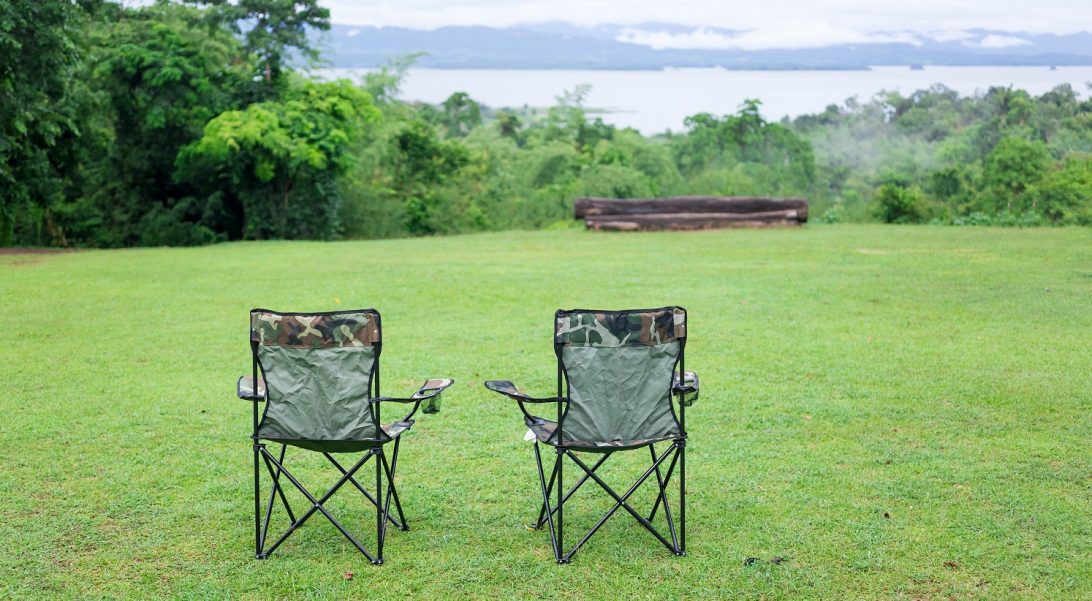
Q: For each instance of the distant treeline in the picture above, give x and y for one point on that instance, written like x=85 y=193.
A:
x=182 y=123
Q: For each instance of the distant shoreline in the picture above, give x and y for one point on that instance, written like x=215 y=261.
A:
x=653 y=101
x=505 y=67
x=612 y=47
x=757 y=67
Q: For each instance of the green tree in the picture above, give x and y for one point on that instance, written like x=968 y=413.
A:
x=275 y=165
x=566 y=118
x=1013 y=166
x=39 y=119
x=385 y=83
x=423 y=165
x=782 y=160
x=1064 y=195
x=272 y=30
x=164 y=74
x=510 y=126
x=898 y=201
x=461 y=114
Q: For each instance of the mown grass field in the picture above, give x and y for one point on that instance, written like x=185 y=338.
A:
x=899 y=412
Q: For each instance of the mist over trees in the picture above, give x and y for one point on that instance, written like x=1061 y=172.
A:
x=186 y=123
x=1003 y=157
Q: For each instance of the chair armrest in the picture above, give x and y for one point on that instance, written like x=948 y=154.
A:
x=509 y=390
x=687 y=389
x=429 y=393
x=245 y=389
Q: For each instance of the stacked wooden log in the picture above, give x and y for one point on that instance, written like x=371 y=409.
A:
x=690 y=212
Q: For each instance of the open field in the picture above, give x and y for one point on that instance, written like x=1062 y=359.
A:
x=900 y=412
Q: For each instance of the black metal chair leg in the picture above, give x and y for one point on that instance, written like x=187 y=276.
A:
x=273 y=497
x=620 y=502
x=667 y=480
x=391 y=470
x=682 y=496
x=316 y=504
x=546 y=501
x=663 y=497
x=391 y=492
x=549 y=489
x=360 y=487
x=575 y=487
x=380 y=515
x=257 y=505
x=561 y=452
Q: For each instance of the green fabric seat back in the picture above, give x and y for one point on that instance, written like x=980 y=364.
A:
x=618 y=367
x=318 y=370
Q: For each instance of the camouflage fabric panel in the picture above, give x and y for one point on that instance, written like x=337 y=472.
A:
x=324 y=330
x=396 y=428
x=620 y=328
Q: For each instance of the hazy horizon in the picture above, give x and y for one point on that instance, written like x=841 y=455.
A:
x=784 y=24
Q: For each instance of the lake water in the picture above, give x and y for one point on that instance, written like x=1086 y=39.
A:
x=654 y=101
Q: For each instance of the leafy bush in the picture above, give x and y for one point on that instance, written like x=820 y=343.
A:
x=898 y=201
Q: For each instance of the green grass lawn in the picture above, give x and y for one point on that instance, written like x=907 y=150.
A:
x=900 y=412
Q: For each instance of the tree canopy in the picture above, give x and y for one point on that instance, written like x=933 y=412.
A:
x=190 y=122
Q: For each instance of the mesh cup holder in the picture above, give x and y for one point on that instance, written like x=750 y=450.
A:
x=431 y=405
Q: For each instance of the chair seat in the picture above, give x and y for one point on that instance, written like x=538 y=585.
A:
x=544 y=429
x=392 y=430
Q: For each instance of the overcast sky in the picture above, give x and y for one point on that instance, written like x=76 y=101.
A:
x=771 y=20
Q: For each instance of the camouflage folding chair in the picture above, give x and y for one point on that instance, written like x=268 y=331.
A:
x=318 y=372
x=617 y=372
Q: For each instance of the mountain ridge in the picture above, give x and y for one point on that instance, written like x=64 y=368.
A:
x=559 y=45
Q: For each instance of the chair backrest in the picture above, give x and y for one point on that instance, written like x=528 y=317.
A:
x=618 y=368
x=318 y=369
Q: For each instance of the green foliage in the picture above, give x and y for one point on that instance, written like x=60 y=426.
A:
x=385 y=83
x=275 y=164
x=39 y=117
x=835 y=213
x=461 y=114
x=898 y=201
x=163 y=74
x=977 y=159
x=1064 y=193
x=183 y=123
x=423 y=164
x=273 y=29
x=614 y=181
x=1013 y=166
x=762 y=154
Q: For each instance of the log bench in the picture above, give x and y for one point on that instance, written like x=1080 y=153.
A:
x=690 y=212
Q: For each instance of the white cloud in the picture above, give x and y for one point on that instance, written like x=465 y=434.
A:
x=998 y=41
x=353 y=33
x=813 y=34
x=950 y=35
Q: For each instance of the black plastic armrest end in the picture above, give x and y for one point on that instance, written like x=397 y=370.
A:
x=244 y=388
x=687 y=389
x=509 y=390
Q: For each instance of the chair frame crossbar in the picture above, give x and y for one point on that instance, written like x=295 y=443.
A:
x=384 y=476
x=549 y=511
